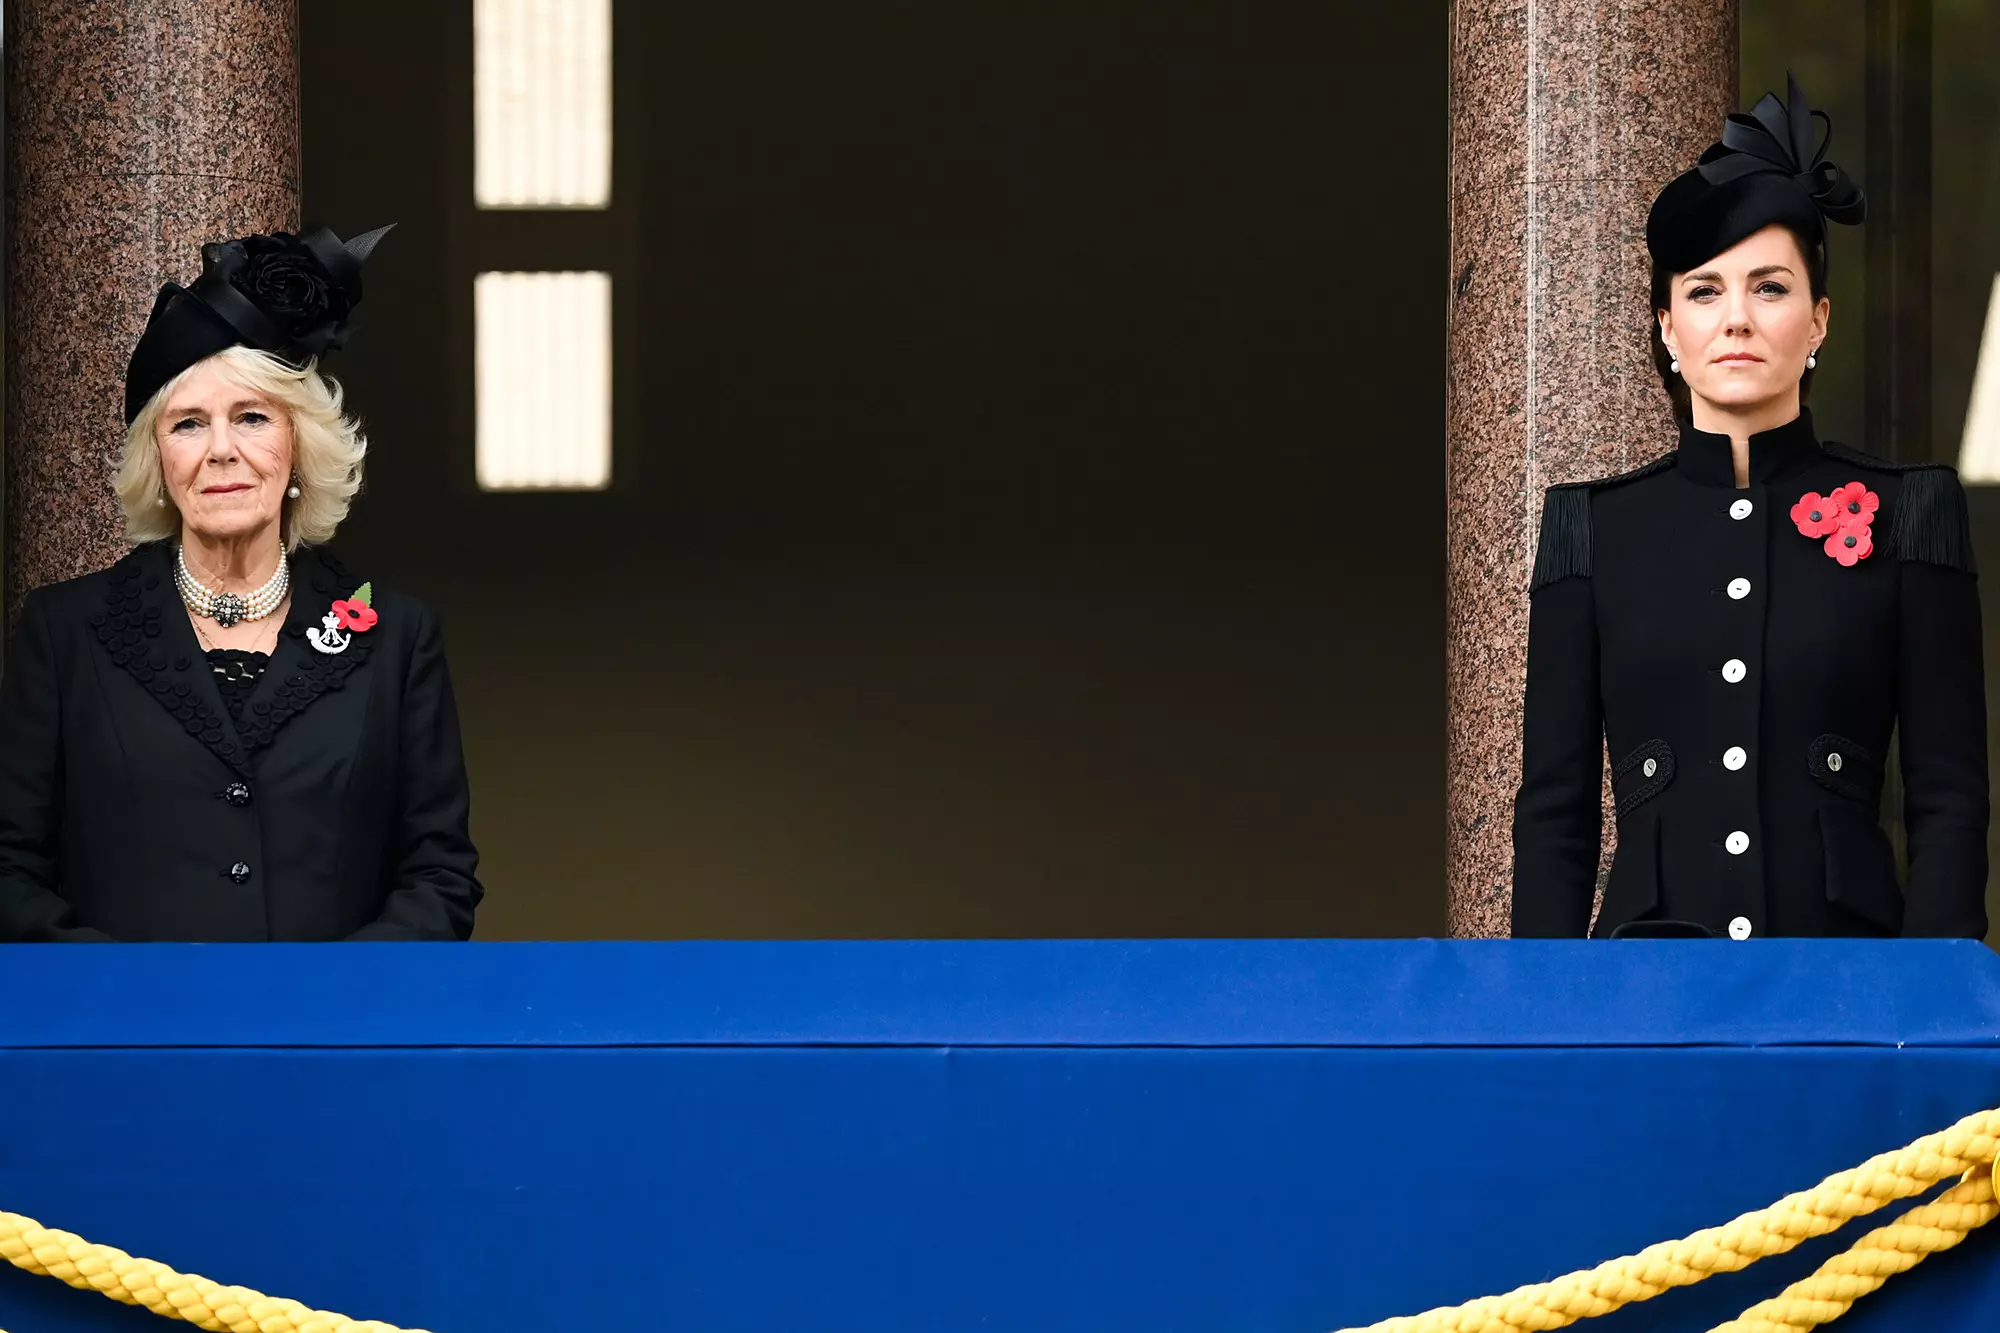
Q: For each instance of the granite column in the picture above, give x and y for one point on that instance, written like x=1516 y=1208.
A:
x=136 y=130
x=1566 y=118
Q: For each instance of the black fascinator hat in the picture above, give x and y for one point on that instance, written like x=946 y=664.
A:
x=1765 y=171
x=292 y=296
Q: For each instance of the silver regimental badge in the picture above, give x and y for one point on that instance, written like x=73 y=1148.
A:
x=330 y=639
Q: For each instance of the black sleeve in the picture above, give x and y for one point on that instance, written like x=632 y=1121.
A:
x=31 y=760
x=1558 y=811
x=1941 y=714
x=436 y=867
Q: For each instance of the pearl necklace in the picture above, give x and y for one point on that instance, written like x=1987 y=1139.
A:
x=227 y=608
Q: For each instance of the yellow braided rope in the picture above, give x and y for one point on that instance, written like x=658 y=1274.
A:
x=1967 y=1149
x=27 y=1244
x=1966 y=1146
x=1874 y=1259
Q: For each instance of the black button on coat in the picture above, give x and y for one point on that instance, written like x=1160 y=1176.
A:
x=1747 y=683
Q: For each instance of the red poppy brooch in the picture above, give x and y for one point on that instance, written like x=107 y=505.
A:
x=349 y=617
x=1844 y=519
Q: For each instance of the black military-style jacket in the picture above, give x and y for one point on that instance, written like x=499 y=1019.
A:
x=1746 y=654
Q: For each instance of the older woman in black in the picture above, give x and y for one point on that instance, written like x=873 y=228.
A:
x=1747 y=619
x=228 y=735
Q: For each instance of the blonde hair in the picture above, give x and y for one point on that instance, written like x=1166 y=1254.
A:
x=327 y=450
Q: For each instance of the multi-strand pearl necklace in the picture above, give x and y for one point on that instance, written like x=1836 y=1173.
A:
x=227 y=608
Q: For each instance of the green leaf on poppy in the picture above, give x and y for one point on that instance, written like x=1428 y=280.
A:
x=363 y=593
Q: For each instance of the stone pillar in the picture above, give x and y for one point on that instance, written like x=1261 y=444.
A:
x=136 y=130
x=1566 y=118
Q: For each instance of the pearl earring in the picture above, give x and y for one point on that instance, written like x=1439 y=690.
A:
x=293 y=493
x=161 y=500
x=1675 y=365
x=1812 y=360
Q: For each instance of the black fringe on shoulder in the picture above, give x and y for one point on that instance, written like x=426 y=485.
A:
x=1564 y=549
x=1932 y=524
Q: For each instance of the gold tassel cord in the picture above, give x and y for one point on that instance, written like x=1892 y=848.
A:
x=1878 y=1256
x=1966 y=1150
x=27 y=1244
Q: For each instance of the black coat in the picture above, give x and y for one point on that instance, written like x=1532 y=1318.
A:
x=1747 y=684
x=133 y=808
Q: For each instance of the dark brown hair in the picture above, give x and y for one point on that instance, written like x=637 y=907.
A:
x=1814 y=252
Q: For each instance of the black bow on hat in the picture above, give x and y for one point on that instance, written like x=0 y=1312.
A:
x=292 y=296
x=1764 y=171
x=1779 y=137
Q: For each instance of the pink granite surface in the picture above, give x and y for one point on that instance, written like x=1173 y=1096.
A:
x=1566 y=118
x=137 y=129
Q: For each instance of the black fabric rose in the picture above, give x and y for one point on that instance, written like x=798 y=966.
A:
x=287 y=282
x=291 y=296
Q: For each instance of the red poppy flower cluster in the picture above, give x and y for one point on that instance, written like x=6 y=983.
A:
x=355 y=617
x=1845 y=519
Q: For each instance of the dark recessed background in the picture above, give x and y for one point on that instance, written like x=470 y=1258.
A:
x=1028 y=514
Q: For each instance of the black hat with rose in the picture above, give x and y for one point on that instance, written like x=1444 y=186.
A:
x=1765 y=171
x=292 y=296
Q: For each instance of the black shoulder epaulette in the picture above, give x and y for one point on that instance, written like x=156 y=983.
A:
x=1848 y=454
x=1931 y=523
x=1564 y=549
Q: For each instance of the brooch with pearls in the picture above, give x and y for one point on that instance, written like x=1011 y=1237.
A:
x=228 y=608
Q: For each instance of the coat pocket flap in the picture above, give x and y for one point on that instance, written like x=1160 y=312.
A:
x=1846 y=769
x=1642 y=775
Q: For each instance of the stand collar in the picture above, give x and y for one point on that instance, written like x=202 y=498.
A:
x=1705 y=459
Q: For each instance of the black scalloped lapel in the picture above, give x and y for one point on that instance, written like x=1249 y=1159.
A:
x=146 y=631
x=144 y=628
x=300 y=674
